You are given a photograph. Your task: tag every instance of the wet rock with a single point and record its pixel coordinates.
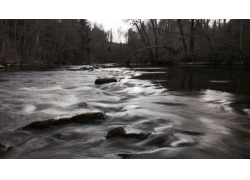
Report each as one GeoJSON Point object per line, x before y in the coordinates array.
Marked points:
{"type": "Point", "coordinates": [72, 69]}
{"type": "Point", "coordinates": [83, 68]}
{"type": "Point", "coordinates": [97, 66]}
{"type": "Point", "coordinates": [193, 133]}
{"type": "Point", "coordinates": [125, 156]}
{"type": "Point", "coordinates": [103, 66]}
{"type": "Point", "coordinates": [120, 132]}
{"type": "Point", "coordinates": [105, 80]}
{"type": "Point", "coordinates": [3, 148]}
{"type": "Point", "coordinates": [82, 104]}
{"type": "Point", "coordinates": [85, 118]}
{"type": "Point", "coordinates": [90, 68]}
{"type": "Point", "coordinates": [1, 67]}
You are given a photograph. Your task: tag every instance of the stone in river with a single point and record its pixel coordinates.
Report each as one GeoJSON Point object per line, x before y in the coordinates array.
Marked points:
{"type": "Point", "coordinates": [84, 118]}
{"type": "Point", "coordinates": [120, 132]}
{"type": "Point", "coordinates": [105, 80]}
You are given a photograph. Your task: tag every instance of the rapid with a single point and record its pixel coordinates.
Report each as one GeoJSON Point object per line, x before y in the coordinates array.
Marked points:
{"type": "Point", "coordinates": [189, 112]}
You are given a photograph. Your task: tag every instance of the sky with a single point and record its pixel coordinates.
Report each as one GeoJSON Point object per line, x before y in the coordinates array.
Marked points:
{"type": "Point", "coordinates": [111, 23]}
{"type": "Point", "coordinates": [114, 24]}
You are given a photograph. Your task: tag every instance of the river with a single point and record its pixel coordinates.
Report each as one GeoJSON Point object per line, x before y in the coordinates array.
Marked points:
{"type": "Point", "coordinates": [190, 112]}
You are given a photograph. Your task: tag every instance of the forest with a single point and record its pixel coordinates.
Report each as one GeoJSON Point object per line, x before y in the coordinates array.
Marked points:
{"type": "Point", "coordinates": [148, 41]}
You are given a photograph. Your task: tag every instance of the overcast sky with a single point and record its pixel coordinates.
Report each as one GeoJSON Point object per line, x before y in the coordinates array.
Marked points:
{"type": "Point", "coordinates": [111, 23]}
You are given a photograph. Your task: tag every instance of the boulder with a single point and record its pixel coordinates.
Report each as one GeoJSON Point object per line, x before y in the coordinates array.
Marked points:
{"type": "Point", "coordinates": [120, 132]}
{"type": "Point", "coordinates": [84, 118]}
{"type": "Point", "coordinates": [1, 67]}
{"type": "Point", "coordinates": [105, 80]}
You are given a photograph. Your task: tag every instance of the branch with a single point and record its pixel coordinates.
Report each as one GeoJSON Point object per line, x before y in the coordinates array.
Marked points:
{"type": "Point", "coordinates": [149, 47]}
{"type": "Point", "coordinates": [197, 23]}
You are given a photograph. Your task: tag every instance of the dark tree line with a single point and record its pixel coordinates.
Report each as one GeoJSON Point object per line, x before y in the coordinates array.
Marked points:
{"type": "Point", "coordinates": [55, 42]}
{"type": "Point", "coordinates": [147, 41]}
{"type": "Point", "coordinates": [191, 40]}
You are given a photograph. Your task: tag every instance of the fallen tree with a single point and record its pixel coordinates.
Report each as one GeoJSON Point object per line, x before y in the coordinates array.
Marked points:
{"type": "Point", "coordinates": [127, 59]}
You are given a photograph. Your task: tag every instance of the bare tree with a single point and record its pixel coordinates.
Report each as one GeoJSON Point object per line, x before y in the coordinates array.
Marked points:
{"type": "Point", "coordinates": [193, 27]}
{"type": "Point", "coordinates": [154, 24]}
{"type": "Point", "coordinates": [182, 38]}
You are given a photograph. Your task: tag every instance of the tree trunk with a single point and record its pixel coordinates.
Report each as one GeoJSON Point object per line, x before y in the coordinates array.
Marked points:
{"type": "Point", "coordinates": [155, 35]}
{"type": "Point", "coordinates": [182, 38]}
{"type": "Point", "coordinates": [23, 49]}
{"type": "Point", "coordinates": [209, 42]}
{"type": "Point", "coordinates": [151, 55]}
{"type": "Point", "coordinates": [145, 42]}
{"type": "Point", "coordinates": [15, 21]}
{"type": "Point", "coordinates": [4, 39]}
{"type": "Point", "coordinates": [241, 36]}
{"type": "Point", "coordinates": [191, 45]}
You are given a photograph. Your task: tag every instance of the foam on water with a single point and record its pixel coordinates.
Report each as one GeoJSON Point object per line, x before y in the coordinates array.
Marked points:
{"type": "Point", "coordinates": [29, 108]}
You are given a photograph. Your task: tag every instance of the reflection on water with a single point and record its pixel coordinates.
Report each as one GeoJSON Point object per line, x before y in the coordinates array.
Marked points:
{"type": "Point", "coordinates": [190, 112]}
{"type": "Point", "coordinates": [221, 78]}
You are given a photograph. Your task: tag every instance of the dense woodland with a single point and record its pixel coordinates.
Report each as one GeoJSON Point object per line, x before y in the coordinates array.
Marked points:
{"type": "Point", "coordinates": [150, 41]}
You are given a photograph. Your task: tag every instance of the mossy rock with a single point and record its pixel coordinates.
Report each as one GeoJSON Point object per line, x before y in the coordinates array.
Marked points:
{"type": "Point", "coordinates": [84, 118]}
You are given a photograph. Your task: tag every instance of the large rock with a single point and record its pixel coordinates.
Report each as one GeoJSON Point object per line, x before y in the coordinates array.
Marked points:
{"type": "Point", "coordinates": [120, 132]}
{"type": "Point", "coordinates": [84, 118]}
{"type": "Point", "coordinates": [105, 80]}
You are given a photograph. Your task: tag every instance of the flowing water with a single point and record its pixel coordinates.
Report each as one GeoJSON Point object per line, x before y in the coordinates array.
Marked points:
{"type": "Point", "coordinates": [191, 112]}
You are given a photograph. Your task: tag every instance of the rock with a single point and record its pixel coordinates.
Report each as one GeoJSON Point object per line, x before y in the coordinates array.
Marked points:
{"type": "Point", "coordinates": [124, 155]}
{"type": "Point", "coordinates": [84, 118]}
{"type": "Point", "coordinates": [97, 66]}
{"type": "Point", "coordinates": [82, 104]}
{"type": "Point", "coordinates": [72, 69]}
{"type": "Point", "coordinates": [105, 80]}
{"type": "Point", "coordinates": [90, 68]}
{"type": "Point", "coordinates": [83, 68]}
{"type": "Point", "coordinates": [3, 148]}
{"type": "Point", "coordinates": [103, 66]}
{"type": "Point", "coordinates": [116, 132]}
{"type": "Point", "coordinates": [1, 67]}
{"type": "Point", "coordinates": [120, 132]}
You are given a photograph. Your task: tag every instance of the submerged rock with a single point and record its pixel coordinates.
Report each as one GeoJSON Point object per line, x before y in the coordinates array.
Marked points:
{"type": "Point", "coordinates": [105, 80]}
{"type": "Point", "coordinates": [120, 132]}
{"type": "Point", "coordinates": [85, 118]}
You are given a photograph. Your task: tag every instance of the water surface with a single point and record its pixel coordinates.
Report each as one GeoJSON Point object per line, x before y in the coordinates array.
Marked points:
{"type": "Point", "coordinates": [191, 112]}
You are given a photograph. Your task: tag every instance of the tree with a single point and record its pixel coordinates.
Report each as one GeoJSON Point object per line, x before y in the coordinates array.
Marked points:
{"type": "Point", "coordinates": [182, 38]}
